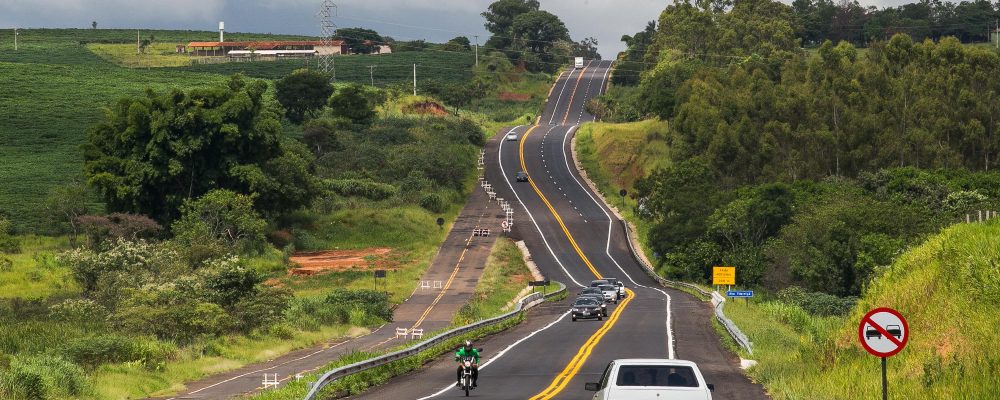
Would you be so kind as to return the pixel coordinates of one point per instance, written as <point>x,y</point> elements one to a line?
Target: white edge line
<point>559,99</point>
<point>501,354</point>
<point>607,249</point>
<point>540,233</point>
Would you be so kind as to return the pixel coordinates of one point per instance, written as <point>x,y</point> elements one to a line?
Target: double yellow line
<point>567,374</point>
<point>573,367</point>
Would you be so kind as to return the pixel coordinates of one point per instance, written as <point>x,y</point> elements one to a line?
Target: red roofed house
<point>266,48</point>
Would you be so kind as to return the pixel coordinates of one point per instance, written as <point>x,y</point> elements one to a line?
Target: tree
<point>500,14</point>
<point>320,134</point>
<point>586,48</point>
<point>152,153</point>
<point>93,24</point>
<point>303,91</point>
<point>65,204</point>
<point>359,40</point>
<point>538,32</point>
<point>221,216</point>
<point>460,43</point>
<point>351,103</point>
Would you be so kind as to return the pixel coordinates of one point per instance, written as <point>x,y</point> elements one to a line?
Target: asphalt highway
<point>574,238</point>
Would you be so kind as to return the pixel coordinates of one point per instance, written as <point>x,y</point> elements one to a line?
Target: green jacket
<point>461,353</point>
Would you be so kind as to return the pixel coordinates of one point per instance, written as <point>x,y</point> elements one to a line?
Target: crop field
<point>54,90</point>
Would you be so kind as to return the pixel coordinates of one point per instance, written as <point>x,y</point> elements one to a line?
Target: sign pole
<point>885,382</point>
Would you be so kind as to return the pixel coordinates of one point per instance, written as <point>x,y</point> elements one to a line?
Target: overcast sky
<point>432,20</point>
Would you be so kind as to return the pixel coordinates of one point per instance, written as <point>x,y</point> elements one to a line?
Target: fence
<point>524,304</point>
<point>717,300</point>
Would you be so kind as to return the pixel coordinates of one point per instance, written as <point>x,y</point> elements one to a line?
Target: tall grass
<point>945,288</point>
<point>33,274</point>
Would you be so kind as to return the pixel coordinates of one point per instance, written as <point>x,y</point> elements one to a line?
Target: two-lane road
<point>574,238</point>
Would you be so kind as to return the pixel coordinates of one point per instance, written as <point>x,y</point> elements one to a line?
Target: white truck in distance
<point>579,63</point>
<point>652,379</point>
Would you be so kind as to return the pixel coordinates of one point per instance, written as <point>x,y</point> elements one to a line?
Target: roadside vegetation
<point>944,287</point>
<point>504,278</point>
<point>825,177</point>
<point>157,240</point>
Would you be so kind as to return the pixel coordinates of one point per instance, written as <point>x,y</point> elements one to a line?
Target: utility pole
<point>15,38</point>
<point>371,74</point>
<point>414,79</point>
<point>477,50</point>
<point>136,41</point>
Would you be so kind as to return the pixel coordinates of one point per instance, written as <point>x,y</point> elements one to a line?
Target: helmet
<point>468,344</point>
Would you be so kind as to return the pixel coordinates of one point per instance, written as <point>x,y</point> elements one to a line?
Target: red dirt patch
<point>311,263</point>
<point>509,96</point>
<point>426,107</point>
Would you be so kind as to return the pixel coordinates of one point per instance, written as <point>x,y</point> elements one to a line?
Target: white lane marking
<point>559,99</point>
<point>607,248</point>
<point>500,354</point>
<point>532,217</point>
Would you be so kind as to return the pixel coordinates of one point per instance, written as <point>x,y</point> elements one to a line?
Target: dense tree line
<point>820,20</point>
<point>812,168</point>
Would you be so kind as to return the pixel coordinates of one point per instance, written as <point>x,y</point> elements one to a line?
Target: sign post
<point>883,332</point>
<point>379,273</point>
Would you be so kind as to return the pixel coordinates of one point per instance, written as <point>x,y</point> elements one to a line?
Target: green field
<point>55,88</point>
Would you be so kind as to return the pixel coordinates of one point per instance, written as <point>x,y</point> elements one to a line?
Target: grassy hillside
<point>946,288</point>
<point>55,88</point>
<point>626,151</point>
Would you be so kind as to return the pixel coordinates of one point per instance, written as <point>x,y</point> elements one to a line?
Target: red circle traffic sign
<point>883,332</point>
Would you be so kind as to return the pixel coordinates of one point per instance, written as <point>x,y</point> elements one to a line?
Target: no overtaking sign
<point>883,332</point>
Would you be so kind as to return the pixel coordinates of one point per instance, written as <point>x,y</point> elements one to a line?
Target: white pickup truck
<point>651,379</point>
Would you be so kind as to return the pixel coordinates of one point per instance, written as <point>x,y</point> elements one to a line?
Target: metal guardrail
<point>524,304</point>
<point>717,300</point>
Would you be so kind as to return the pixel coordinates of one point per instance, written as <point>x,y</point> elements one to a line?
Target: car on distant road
<point>619,284</point>
<point>586,309</point>
<point>647,378</point>
<point>521,176</point>
<point>511,136</point>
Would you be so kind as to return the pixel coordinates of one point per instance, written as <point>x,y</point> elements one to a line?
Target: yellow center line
<point>553,210</point>
<point>573,367</point>
<point>567,374</point>
<point>447,285</point>
<point>569,106</point>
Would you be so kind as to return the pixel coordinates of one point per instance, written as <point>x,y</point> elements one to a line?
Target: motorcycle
<point>466,375</point>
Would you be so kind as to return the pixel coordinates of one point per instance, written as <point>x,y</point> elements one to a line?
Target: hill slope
<point>947,288</point>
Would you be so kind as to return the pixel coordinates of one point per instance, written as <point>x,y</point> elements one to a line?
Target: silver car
<point>610,292</point>
<point>619,284</point>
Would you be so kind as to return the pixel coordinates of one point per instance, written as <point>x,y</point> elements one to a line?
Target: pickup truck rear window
<point>656,375</point>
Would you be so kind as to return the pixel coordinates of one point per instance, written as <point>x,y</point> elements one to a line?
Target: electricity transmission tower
<point>326,13</point>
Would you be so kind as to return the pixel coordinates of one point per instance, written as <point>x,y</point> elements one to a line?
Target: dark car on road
<point>587,309</point>
<point>522,176</point>
<point>599,298</point>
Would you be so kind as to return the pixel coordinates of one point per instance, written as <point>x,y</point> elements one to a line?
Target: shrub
<point>42,377</point>
<point>434,203</point>
<point>366,188</point>
<point>817,303</point>
<point>8,242</point>
<point>96,350</point>
<point>221,216</point>
<point>280,238</point>
<point>77,311</point>
<point>6,265</point>
<point>122,262</point>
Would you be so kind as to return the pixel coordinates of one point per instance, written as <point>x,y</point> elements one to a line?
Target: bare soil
<point>311,263</point>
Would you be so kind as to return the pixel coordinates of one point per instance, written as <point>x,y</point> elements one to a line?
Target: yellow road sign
<point>723,275</point>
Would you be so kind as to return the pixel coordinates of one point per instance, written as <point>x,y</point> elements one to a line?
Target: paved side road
<point>452,278</point>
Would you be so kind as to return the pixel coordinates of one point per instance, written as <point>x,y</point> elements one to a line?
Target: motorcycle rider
<point>468,351</point>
